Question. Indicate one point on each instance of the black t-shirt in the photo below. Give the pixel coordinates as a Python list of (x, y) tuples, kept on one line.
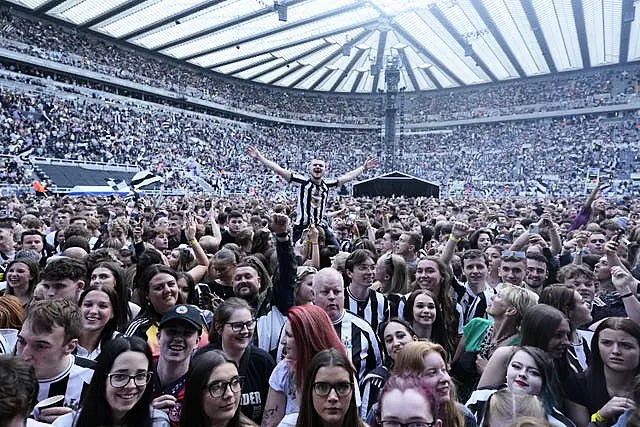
[(223, 291), (227, 238), (256, 366)]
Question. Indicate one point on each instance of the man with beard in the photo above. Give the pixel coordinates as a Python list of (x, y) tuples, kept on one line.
[(367, 304), (178, 337), (537, 272), (314, 190)]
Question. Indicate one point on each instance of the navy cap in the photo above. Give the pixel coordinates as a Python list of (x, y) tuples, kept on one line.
[(187, 313)]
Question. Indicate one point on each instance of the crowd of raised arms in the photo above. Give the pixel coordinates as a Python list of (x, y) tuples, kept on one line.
[(321, 310)]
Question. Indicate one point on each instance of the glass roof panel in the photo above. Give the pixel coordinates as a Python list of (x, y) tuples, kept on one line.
[(248, 74), (603, 22), (293, 76), (207, 18), (511, 20), (634, 39), (559, 29), (465, 19), (263, 24), (328, 82), (436, 44), (31, 4), (272, 42), (231, 68), (84, 11), (442, 78), (143, 15)]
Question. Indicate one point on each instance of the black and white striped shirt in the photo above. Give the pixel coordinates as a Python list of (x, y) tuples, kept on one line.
[(374, 309), (474, 305), (360, 342), (69, 383), (312, 199)]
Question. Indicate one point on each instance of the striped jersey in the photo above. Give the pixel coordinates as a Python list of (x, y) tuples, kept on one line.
[(360, 342), (312, 199), (374, 309), (70, 383)]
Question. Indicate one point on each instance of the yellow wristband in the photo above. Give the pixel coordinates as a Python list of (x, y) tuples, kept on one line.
[(453, 239), (597, 418), (192, 242)]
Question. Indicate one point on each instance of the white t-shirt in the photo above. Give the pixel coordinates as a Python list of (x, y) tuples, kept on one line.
[(283, 380)]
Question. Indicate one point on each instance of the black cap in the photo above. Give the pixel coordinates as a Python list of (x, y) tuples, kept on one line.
[(184, 312)]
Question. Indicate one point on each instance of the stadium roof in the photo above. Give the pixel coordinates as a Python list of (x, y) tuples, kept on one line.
[(343, 45)]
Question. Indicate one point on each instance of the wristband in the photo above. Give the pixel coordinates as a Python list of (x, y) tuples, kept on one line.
[(627, 295), (193, 242), (308, 241), (597, 418), (453, 238)]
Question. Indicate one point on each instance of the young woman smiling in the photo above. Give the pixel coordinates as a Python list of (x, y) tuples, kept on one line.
[(394, 334), (119, 394), (213, 392), (101, 313), (22, 276), (233, 331), (425, 316), (529, 371)]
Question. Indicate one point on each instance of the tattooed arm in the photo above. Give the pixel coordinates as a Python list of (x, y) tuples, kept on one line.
[(274, 408)]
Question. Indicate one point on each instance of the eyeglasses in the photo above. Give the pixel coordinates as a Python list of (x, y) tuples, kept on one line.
[(218, 388), (513, 254), (323, 389), (119, 380), (412, 424), (239, 326)]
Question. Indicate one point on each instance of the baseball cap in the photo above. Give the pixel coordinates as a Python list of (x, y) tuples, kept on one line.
[(187, 313)]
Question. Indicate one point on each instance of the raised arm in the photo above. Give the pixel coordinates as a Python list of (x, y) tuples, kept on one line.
[(350, 176), (253, 152), (458, 232), (197, 272), (284, 285)]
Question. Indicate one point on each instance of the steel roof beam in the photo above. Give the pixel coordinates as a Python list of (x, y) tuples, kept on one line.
[(111, 13), (284, 28), (625, 30), (256, 64), (407, 66), (322, 78), (293, 43), (329, 59), (432, 77), (382, 42), (419, 46), (170, 19), (292, 70), (359, 77), (581, 29), (44, 8), (224, 25), (290, 60), (537, 31), (435, 10), (347, 69), (493, 28)]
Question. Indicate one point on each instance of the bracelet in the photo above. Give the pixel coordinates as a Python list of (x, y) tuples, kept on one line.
[(627, 295), (597, 418), (193, 242), (453, 238)]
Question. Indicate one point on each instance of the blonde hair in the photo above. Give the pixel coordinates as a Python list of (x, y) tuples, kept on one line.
[(519, 298), (508, 406), (530, 422), (411, 360)]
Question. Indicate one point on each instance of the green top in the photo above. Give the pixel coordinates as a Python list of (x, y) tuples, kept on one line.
[(474, 333)]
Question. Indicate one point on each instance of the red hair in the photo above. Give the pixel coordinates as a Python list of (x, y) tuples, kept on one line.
[(312, 332)]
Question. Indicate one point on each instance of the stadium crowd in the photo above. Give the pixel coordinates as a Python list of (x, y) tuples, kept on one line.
[(50, 41), (319, 310), (491, 159)]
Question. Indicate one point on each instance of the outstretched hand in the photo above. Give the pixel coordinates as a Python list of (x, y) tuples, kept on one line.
[(279, 223), (370, 164), (253, 152)]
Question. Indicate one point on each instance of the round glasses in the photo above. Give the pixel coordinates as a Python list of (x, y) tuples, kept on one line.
[(218, 388), (323, 389), (121, 380)]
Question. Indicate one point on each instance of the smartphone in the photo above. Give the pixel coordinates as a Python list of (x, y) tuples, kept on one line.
[(618, 235), (534, 229)]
